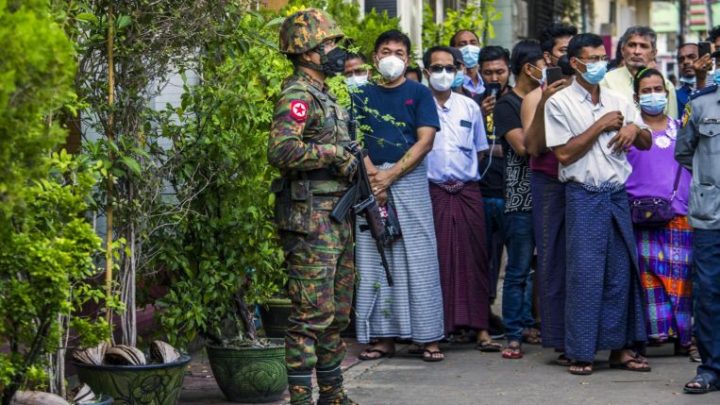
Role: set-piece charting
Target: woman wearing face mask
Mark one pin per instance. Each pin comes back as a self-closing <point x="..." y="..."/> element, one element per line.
<point x="664" y="252"/>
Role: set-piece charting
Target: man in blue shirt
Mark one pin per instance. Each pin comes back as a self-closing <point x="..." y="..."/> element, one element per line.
<point x="399" y="120"/>
<point x="469" y="44"/>
<point x="686" y="57"/>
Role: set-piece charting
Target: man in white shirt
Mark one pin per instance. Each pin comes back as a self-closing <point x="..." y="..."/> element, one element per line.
<point x="457" y="202"/>
<point x="590" y="129"/>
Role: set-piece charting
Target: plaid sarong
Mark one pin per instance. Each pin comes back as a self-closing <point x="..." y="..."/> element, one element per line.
<point x="665" y="259"/>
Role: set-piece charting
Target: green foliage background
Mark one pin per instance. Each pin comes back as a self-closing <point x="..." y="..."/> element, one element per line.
<point x="472" y="17"/>
<point x="46" y="245"/>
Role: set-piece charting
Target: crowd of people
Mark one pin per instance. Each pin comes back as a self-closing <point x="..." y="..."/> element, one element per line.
<point x="599" y="179"/>
<point x="537" y="168"/>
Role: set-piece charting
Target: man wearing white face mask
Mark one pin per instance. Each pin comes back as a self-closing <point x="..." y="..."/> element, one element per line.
<point x="457" y="202"/>
<point x="400" y="119"/>
<point x="469" y="44"/>
<point x="356" y="72"/>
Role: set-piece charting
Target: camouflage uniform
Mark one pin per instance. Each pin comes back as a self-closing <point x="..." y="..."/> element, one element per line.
<point x="308" y="132"/>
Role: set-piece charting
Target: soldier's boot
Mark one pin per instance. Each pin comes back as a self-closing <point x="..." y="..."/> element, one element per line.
<point x="332" y="392"/>
<point x="300" y="387"/>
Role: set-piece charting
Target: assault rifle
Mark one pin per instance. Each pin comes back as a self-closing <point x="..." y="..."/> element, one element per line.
<point x="360" y="199"/>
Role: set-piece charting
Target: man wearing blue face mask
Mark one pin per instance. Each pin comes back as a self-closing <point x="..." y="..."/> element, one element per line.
<point x="469" y="45"/>
<point x="356" y="70"/>
<point x="590" y="129"/>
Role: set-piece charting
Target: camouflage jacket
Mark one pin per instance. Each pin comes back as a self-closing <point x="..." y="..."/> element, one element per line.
<point x="307" y="126"/>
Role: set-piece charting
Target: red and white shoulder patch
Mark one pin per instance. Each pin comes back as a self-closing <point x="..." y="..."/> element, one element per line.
<point x="298" y="110"/>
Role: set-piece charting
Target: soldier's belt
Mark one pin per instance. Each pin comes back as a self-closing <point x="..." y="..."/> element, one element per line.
<point x="315" y="175"/>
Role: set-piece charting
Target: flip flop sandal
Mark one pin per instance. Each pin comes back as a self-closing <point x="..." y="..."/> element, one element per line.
<point x="512" y="352"/>
<point x="532" y="336"/>
<point x="625" y="366"/>
<point x="488" y="346"/>
<point x="706" y="385"/>
<point x="583" y="368"/>
<point x="415" y="350"/>
<point x="365" y="355"/>
<point x="563" y="361"/>
<point x="428" y="356"/>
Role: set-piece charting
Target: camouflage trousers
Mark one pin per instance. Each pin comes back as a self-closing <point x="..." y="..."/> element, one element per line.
<point x="320" y="286"/>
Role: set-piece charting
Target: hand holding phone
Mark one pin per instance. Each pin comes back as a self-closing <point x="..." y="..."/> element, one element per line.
<point x="553" y="74"/>
<point x="703" y="48"/>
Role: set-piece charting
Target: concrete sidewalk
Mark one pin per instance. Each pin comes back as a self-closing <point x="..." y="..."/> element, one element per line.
<point x="470" y="377"/>
<point x="473" y="378"/>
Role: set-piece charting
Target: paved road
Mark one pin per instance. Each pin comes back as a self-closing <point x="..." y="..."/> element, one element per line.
<point x="470" y="377"/>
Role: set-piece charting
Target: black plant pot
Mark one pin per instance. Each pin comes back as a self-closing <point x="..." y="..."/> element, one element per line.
<point x="151" y="384"/>
<point x="250" y="374"/>
<point x="275" y="314"/>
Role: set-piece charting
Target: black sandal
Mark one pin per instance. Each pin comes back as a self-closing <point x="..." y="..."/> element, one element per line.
<point x="705" y="382"/>
<point x="585" y="368"/>
<point x="563" y="361"/>
<point x="365" y="354"/>
<point x="430" y="355"/>
<point x="488" y="346"/>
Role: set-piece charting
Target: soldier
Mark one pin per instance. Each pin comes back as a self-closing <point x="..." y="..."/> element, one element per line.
<point x="307" y="139"/>
<point x="698" y="143"/>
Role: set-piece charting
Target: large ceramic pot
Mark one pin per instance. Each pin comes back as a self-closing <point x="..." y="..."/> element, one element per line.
<point x="250" y="374"/>
<point x="151" y="384"/>
<point x="275" y="314"/>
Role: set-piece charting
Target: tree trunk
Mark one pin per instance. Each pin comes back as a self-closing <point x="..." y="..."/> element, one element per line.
<point x="109" y="184"/>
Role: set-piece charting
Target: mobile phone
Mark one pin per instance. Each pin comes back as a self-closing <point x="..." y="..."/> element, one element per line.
<point x="491" y="89"/>
<point x="554" y="74"/>
<point x="703" y="48"/>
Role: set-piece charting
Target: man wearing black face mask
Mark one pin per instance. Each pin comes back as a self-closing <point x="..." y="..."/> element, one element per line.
<point x="307" y="139"/>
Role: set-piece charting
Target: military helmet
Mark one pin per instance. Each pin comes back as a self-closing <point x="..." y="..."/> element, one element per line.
<point x="306" y="29"/>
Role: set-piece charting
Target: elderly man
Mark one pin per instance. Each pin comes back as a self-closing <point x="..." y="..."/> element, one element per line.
<point x="589" y="129"/>
<point x="638" y="50"/>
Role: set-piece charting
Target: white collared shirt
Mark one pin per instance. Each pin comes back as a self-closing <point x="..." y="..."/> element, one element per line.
<point x="457" y="143"/>
<point x="571" y="112"/>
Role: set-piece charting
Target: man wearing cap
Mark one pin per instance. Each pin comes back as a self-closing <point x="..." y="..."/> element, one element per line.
<point x="307" y="139"/>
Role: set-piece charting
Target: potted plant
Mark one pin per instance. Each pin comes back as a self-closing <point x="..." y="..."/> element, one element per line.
<point x="47" y="246"/>
<point x="225" y="257"/>
<point x="275" y="313"/>
<point x="126" y="52"/>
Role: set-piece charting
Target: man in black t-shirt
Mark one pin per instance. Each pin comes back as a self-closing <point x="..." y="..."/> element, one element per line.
<point x="528" y="66"/>
<point x="495" y="71"/>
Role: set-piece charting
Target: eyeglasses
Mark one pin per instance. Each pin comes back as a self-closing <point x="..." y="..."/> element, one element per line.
<point x="440" y="68"/>
<point x="594" y="59"/>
